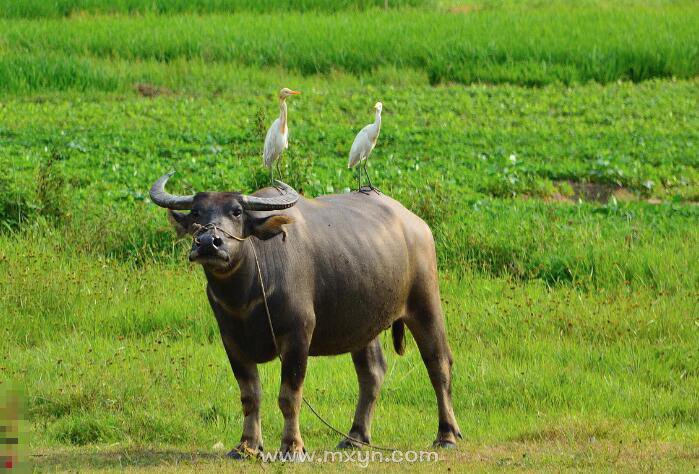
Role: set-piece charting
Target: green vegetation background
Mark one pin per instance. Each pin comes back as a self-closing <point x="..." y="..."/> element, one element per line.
<point x="551" y="146"/>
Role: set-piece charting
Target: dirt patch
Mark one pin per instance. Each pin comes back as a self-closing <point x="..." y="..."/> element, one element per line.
<point x="574" y="191"/>
<point x="558" y="197"/>
<point x="150" y="90"/>
<point x="463" y="9"/>
<point x="595" y="192"/>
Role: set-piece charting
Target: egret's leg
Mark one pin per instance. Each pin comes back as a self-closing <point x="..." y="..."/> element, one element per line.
<point x="371" y="186"/>
<point x="279" y="171"/>
<point x="359" y="179"/>
<point x="271" y="175"/>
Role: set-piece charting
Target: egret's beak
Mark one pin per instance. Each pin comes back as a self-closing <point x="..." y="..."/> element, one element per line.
<point x="295" y="92"/>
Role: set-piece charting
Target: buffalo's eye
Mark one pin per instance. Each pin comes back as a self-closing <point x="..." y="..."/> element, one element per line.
<point x="236" y="211"/>
<point x="194" y="214"/>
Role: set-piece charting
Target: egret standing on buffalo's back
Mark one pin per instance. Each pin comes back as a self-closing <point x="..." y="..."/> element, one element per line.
<point x="277" y="139"/>
<point x="363" y="144"/>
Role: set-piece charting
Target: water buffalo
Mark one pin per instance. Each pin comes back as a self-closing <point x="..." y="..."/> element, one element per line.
<point x="337" y="270"/>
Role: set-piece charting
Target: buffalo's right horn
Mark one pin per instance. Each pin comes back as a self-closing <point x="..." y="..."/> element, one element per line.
<point x="285" y="200"/>
<point x="164" y="199"/>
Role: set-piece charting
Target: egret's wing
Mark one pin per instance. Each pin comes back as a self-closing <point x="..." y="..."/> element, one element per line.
<point x="270" y="151"/>
<point x="359" y="146"/>
<point x="372" y="132"/>
<point x="362" y="146"/>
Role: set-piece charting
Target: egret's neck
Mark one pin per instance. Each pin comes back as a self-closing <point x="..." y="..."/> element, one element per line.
<point x="377" y="119"/>
<point x="282" y="111"/>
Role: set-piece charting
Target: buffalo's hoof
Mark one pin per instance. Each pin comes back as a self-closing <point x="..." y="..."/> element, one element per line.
<point x="444" y="444"/>
<point x="242" y="452"/>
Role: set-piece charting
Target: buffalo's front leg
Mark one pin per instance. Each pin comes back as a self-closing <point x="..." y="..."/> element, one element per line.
<point x="250" y="397"/>
<point x="294" y="356"/>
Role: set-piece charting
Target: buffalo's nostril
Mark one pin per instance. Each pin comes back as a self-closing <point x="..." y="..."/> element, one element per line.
<point x="203" y="240"/>
<point x="217" y="241"/>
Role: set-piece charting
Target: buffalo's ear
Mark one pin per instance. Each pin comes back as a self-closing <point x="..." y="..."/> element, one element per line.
<point x="267" y="227"/>
<point x="180" y="221"/>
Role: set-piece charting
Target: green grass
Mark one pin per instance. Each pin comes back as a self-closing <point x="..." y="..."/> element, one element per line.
<point x="533" y="364"/>
<point x="64" y="8"/>
<point x="509" y="45"/>
<point x="61" y="8"/>
<point x="573" y="320"/>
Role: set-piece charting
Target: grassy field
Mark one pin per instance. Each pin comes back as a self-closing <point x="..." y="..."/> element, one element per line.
<point x="533" y="47"/>
<point x="63" y="8"/>
<point x="565" y="216"/>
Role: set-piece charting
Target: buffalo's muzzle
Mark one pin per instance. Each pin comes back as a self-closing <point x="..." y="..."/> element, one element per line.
<point x="207" y="246"/>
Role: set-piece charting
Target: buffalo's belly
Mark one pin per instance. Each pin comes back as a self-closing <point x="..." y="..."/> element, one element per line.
<point x="349" y="323"/>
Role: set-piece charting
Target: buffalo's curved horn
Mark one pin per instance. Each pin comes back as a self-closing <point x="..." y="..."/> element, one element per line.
<point x="284" y="201"/>
<point x="163" y="199"/>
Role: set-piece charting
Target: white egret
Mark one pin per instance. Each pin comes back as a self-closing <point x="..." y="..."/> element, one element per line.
<point x="363" y="144"/>
<point x="277" y="139"/>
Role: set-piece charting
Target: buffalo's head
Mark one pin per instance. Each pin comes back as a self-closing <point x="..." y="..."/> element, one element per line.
<point x="219" y="221"/>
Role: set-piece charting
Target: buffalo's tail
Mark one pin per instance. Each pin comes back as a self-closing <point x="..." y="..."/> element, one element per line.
<point x="398" y="332"/>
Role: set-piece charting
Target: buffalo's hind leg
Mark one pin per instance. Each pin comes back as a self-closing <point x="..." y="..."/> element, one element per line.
<point x="371" y="369"/>
<point x="428" y="330"/>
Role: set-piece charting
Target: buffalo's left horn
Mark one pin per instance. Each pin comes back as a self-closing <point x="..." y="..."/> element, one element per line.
<point x="284" y="201"/>
<point x="164" y="199"/>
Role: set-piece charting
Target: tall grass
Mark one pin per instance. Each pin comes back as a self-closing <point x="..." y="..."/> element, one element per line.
<point x="530" y="47"/>
<point x="60" y="8"/>
<point x="63" y="8"/>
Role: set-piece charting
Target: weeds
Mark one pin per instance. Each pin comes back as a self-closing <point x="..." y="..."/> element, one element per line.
<point x="51" y="188"/>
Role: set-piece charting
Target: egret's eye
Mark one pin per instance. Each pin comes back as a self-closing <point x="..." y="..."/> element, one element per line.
<point x="236" y="212"/>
